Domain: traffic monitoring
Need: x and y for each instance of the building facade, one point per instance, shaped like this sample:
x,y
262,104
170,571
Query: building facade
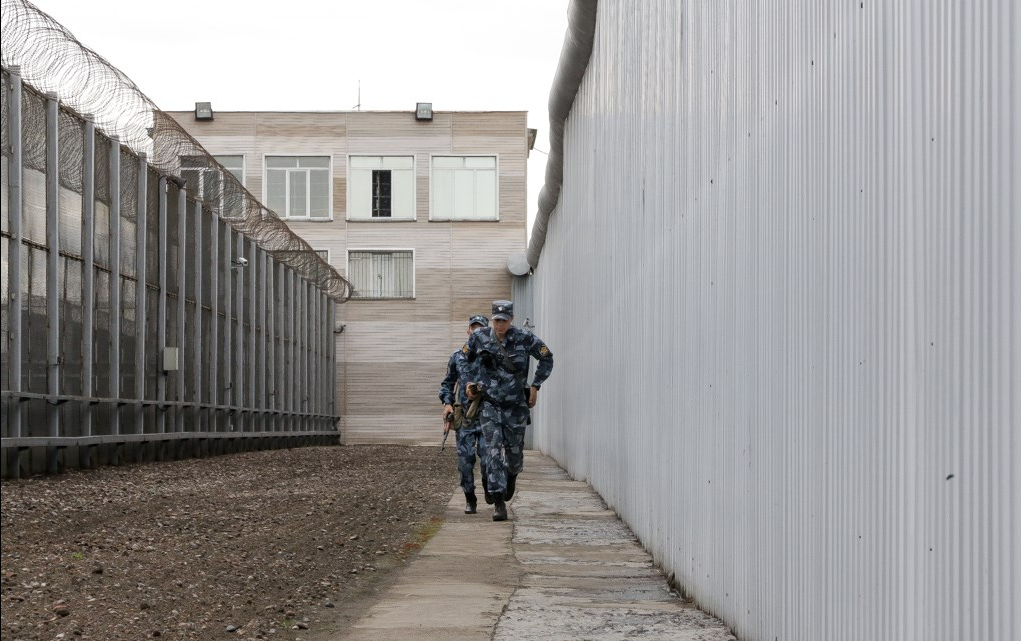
x,y
419,214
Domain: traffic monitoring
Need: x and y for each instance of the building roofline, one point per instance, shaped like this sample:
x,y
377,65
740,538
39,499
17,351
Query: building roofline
x,y
346,112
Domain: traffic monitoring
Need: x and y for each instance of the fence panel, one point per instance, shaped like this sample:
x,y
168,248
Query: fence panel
x,y
110,265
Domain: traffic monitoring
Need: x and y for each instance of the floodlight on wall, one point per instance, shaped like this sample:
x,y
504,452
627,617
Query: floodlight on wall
x,y
203,111
424,111
517,264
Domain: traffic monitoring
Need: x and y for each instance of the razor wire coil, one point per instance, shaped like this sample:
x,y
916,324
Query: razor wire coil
x,y
50,59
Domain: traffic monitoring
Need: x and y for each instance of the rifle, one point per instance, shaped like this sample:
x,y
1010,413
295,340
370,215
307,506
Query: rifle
x,y
447,420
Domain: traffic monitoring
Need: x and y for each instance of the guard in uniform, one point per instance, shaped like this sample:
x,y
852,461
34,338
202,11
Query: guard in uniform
x,y
469,433
496,363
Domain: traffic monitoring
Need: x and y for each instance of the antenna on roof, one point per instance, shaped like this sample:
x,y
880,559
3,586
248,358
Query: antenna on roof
x,y
358,107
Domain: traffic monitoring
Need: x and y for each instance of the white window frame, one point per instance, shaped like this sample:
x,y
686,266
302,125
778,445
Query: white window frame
x,y
432,206
385,219
327,259
203,170
390,250
244,165
287,196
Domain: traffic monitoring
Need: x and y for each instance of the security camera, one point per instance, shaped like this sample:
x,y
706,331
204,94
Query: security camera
x,y
242,261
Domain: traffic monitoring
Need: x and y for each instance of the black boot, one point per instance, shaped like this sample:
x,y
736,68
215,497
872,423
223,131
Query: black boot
x,y
471,502
490,499
500,514
508,494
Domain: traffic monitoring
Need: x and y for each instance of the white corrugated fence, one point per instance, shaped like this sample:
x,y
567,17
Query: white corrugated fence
x,y
781,285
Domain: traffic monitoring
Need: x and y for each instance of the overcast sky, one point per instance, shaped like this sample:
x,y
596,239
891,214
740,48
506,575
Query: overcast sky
x,y
496,55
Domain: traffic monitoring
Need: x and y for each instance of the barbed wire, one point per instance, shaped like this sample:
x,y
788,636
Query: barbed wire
x,y
49,58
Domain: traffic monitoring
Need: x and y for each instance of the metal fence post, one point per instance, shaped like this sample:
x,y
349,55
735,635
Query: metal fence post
x,y
196,218
141,228
182,230
306,360
302,360
324,363
115,283
89,270
161,321
303,397
52,268
313,359
314,373
228,309
15,205
271,351
307,369
238,382
283,377
315,369
263,354
255,264
292,282
213,265
281,398
286,377
333,338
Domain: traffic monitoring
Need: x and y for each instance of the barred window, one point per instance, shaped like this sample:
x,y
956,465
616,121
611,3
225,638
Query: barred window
x,y
382,187
382,273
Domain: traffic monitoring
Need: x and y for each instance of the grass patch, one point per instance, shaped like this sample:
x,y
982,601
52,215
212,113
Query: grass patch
x,y
420,537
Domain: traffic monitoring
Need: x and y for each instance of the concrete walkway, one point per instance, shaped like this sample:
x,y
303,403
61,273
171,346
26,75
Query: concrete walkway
x,y
564,568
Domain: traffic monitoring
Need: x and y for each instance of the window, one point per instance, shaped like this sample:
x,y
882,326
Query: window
x,y
298,186
234,164
205,181
382,273
381,188
463,188
323,253
381,191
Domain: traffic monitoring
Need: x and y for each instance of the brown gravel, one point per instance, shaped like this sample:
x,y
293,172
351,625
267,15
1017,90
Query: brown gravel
x,y
284,544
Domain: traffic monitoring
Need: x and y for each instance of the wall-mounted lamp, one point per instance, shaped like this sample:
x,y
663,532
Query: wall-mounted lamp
x,y
424,111
203,111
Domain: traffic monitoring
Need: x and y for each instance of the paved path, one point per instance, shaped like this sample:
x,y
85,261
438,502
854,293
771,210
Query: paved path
x,y
564,568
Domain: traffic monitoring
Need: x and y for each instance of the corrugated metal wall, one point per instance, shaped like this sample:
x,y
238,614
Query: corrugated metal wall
x,y
782,288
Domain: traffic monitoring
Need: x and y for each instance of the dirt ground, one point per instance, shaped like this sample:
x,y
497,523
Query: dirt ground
x,y
284,544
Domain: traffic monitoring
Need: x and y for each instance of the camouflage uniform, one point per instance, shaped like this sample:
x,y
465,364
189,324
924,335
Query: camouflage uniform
x,y
505,411
469,435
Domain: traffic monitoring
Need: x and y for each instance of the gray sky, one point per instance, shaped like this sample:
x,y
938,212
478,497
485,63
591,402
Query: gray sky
x,y
311,54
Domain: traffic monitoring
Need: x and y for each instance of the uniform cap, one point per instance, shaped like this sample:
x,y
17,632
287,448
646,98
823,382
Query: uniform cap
x,y
478,319
502,309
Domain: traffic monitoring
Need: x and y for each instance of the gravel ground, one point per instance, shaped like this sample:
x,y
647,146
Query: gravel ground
x,y
284,544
